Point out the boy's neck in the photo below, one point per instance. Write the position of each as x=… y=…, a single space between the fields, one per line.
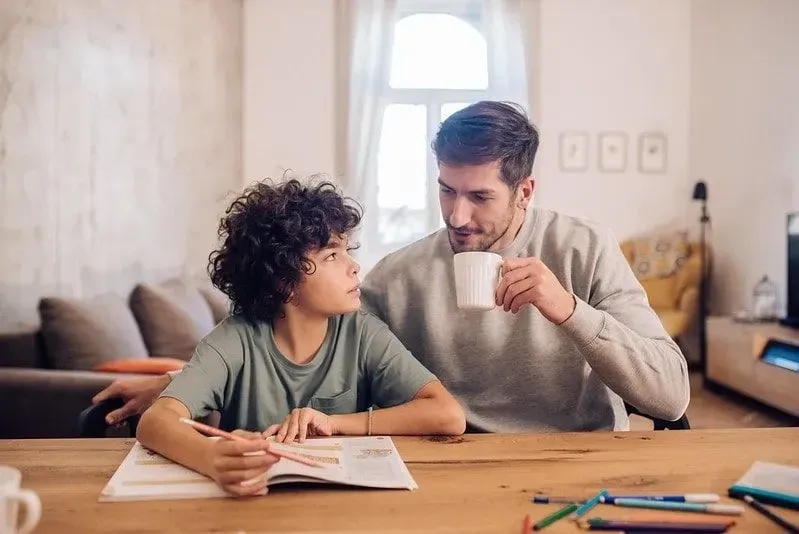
x=298 y=335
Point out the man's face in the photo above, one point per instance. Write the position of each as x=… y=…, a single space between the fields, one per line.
x=477 y=206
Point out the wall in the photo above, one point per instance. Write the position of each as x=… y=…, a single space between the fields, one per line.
x=614 y=65
x=289 y=69
x=120 y=133
x=745 y=136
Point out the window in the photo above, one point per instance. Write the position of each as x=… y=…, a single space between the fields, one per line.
x=439 y=64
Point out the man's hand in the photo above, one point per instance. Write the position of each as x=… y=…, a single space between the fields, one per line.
x=138 y=394
x=240 y=467
x=529 y=281
x=301 y=423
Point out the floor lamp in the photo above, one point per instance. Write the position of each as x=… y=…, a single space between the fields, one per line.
x=700 y=195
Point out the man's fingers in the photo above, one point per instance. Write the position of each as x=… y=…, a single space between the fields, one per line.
x=120 y=414
x=294 y=426
x=507 y=281
x=109 y=392
x=516 y=289
x=281 y=434
x=521 y=299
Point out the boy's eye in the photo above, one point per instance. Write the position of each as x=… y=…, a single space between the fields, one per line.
x=332 y=257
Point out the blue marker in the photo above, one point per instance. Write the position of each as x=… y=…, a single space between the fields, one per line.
x=688 y=497
x=589 y=504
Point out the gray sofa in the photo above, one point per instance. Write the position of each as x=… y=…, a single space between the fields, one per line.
x=48 y=376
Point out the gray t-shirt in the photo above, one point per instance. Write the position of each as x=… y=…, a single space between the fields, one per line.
x=238 y=371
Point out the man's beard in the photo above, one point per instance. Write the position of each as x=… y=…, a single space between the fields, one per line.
x=485 y=241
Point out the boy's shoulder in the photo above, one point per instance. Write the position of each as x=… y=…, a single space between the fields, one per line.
x=360 y=322
x=227 y=336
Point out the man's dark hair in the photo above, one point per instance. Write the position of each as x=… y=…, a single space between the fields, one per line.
x=489 y=131
x=266 y=235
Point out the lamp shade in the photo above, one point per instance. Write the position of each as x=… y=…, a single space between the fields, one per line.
x=700 y=191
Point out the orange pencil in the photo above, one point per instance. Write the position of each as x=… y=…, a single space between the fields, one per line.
x=528 y=525
x=212 y=431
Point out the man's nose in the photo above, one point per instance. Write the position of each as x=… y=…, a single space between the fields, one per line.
x=461 y=213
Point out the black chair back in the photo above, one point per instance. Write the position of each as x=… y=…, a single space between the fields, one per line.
x=91 y=421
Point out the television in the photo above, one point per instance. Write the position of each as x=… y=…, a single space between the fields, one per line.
x=792 y=315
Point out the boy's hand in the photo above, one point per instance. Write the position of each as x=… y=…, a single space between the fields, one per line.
x=236 y=462
x=301 y=423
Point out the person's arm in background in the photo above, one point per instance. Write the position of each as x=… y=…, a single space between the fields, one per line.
x=617 y=332
x=137 y=393
x=194 y=393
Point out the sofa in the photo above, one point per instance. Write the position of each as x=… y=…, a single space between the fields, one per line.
x=49 y=376
x=668 y=265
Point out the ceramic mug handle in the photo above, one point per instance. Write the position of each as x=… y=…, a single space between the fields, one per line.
x=33 y=509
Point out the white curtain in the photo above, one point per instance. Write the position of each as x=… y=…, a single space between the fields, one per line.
x=509 y=43
x=366 y=29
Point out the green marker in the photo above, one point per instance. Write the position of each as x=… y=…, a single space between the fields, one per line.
x=560 y=514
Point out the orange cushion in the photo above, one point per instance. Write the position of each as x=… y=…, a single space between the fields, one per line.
x=154 y=365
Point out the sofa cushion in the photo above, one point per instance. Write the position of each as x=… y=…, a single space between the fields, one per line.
x=154 y=365
x=82 y=333
x=173 y=317
x=661 y=255
x=218 y=302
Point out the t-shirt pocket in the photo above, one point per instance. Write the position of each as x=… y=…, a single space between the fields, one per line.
x=340 y=403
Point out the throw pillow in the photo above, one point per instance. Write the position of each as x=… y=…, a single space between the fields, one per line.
x=660 y=256
x=155 y=365
x=80 y=334
x=218 y=301
x=173 y=317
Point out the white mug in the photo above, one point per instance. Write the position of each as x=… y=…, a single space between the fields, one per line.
x=477 y=275
x=12 y=498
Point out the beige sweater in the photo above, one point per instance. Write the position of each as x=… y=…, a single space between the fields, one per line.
x=516 y=373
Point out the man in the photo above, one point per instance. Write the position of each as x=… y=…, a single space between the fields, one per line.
x=573 y=336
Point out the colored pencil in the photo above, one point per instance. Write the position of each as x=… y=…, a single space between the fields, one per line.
x=688 y=497
x=560 y=514
x=527 y=526
x=545 y=499
x=653 y=526
x=754 y=503
x=589 y=504
x=722 y=509
x=213 y=431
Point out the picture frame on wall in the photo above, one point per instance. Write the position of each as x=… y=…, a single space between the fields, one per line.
x=652 y=152
x=573 y=150
x=612 y=149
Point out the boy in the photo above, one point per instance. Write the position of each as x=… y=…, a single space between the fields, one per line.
x=296 y=357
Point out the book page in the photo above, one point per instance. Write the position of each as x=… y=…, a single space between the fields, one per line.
x=363 y=461
x=145 y=475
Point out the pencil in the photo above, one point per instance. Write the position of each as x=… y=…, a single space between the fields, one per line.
x=790 y=527
x=589 y=504
x=213 y=431
x=722 y=509
x=560 y=514
x=527 y=526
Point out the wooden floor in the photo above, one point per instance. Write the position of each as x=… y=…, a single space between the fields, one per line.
x=712 y=409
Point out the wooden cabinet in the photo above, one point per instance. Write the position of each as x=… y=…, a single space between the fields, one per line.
x=733 y=354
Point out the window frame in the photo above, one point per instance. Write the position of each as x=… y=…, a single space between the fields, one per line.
x=471 y=13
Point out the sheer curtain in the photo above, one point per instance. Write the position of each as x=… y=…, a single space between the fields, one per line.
x=365 y=36
x=509 y=44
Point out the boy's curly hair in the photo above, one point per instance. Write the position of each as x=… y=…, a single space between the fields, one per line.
x=266 y=234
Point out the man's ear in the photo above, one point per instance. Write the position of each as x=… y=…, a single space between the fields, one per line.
x=525 y=192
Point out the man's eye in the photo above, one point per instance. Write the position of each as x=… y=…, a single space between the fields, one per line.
x=480 y=198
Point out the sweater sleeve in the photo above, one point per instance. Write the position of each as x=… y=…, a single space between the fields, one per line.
x=623 y=340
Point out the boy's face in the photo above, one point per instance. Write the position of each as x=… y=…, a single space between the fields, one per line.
x=332 y=288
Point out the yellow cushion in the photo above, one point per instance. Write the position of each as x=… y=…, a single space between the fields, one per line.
x=662 y=292
x=674 y=322
x=660 y=256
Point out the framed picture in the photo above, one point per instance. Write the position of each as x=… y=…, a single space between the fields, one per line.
x=652 y=152
x=612 y=151
x=573 y=152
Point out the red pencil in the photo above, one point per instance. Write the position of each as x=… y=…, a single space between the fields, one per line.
x=213 y=431
x=528 y=525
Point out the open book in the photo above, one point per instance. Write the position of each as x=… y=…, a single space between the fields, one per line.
x=370 y=462
x=770 y=483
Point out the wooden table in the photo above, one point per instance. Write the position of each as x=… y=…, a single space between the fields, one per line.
x=471 y=484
